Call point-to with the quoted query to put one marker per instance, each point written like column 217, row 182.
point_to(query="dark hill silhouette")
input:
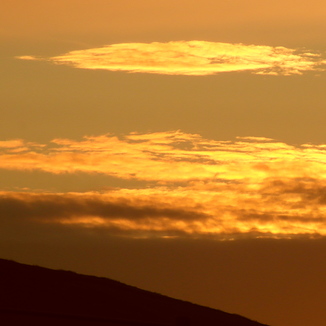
column 32, row 295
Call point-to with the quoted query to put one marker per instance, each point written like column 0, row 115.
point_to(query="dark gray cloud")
column 47, row 207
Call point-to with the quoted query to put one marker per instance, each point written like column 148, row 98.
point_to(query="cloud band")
column 195, row 187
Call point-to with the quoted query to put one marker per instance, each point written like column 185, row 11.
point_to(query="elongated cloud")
column 195, row 58
column 249, row 187
column 277, row 209
column 167, row 157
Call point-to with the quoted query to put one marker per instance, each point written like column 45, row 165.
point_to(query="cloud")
column 115, row 213
column 167, row 157
column 194, row 58
column 28, row 58
column 70, row 206
column 194, row 187
column 278, row 209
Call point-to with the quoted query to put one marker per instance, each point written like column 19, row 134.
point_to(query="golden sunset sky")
column 178, row 146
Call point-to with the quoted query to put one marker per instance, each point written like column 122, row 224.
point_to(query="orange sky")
column 75, row 21
column 141, row 140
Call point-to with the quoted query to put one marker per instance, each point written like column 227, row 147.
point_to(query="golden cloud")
column 194, row 58
column 249, row 187
column 167, row 157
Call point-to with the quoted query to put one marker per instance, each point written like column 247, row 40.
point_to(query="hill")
column 32, row 295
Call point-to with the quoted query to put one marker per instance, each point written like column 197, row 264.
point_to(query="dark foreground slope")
column 31, row 295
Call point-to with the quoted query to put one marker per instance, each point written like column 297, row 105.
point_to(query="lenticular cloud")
column 196, row 58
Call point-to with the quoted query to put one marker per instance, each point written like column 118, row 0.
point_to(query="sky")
column 175, row 146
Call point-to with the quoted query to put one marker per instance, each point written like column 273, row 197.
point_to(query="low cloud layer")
column 196, row 58
column 196, row 187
